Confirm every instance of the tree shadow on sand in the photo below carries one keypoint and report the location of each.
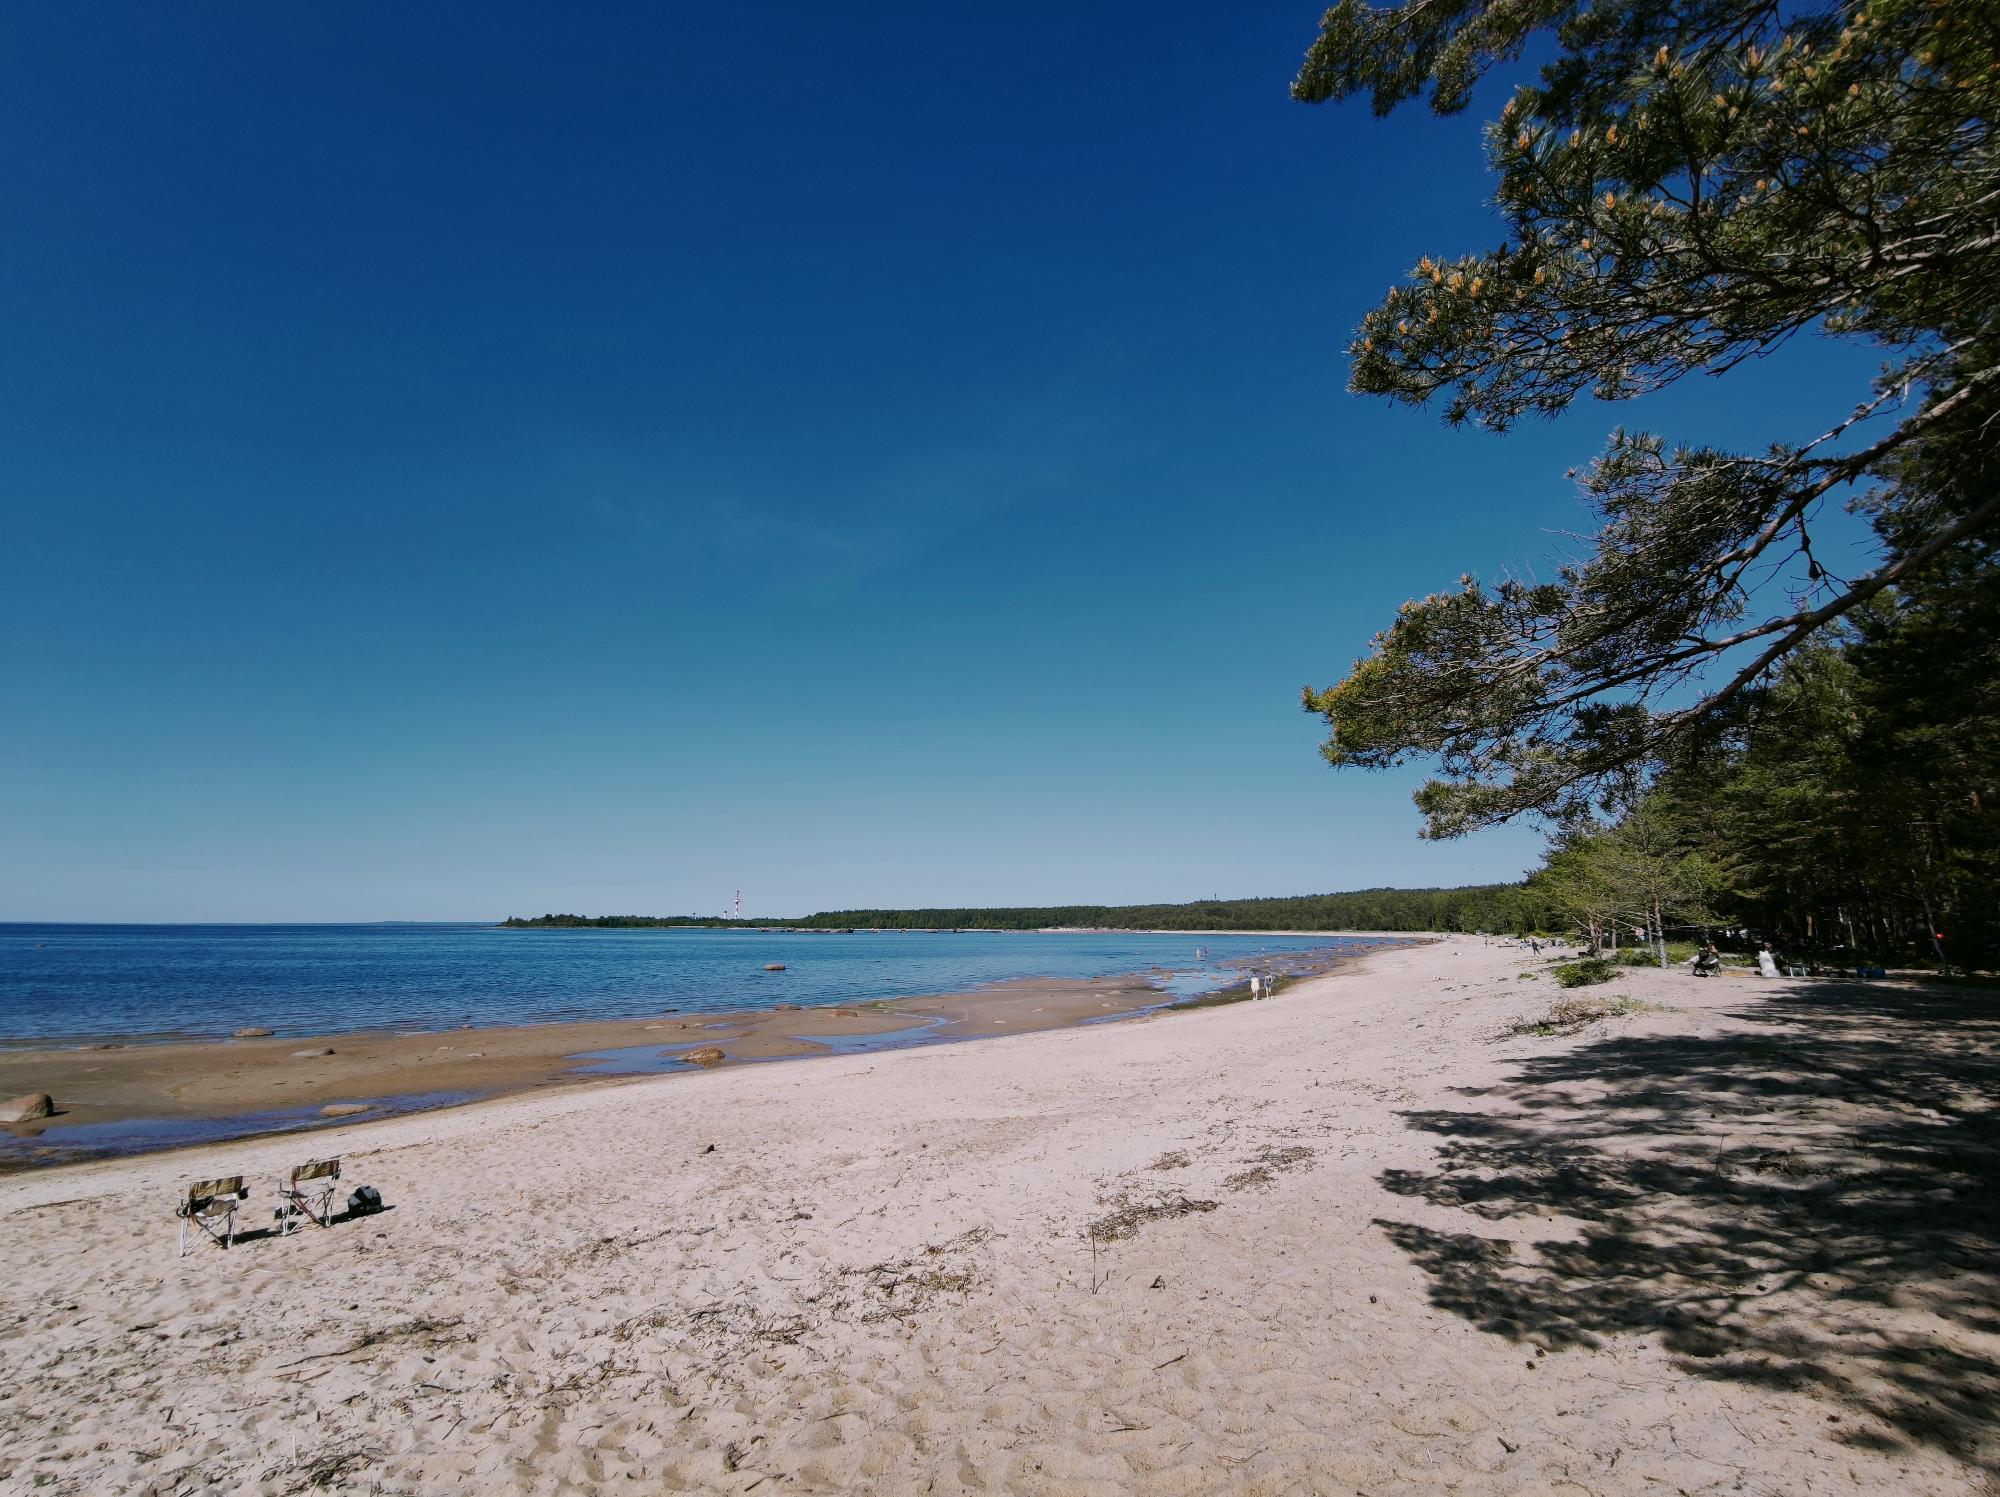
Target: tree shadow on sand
(1810, 1204)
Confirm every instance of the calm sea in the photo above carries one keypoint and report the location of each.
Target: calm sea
(78, 982)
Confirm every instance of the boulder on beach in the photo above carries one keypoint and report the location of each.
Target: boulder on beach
(27, 1109)
(310, 1054)
(786, 1008)
(707, 1055)
(847, 1013)
(253, 1034)
(344, 1109)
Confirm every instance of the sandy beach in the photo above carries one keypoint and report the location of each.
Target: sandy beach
(1361, 1238)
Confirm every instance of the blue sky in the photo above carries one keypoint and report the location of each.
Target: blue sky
(469, 460)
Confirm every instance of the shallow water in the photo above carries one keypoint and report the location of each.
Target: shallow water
(63, 1144)
(633, 1060)
(75, 983)
(925, 1033)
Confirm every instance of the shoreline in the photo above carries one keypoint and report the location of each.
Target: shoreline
(1375, 1235)
(437, 984)
(997, 930)
(120, 1098)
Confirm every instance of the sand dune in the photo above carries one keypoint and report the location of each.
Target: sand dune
(1331, 1254)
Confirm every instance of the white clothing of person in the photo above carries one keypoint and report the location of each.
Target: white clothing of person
(1256, 986)
(1767, 964)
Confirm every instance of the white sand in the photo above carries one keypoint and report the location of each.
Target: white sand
(881, 1280)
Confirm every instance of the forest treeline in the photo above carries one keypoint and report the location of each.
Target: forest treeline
(1477, 907)
(1841, 807)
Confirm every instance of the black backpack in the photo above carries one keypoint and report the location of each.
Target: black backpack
(364, 1202)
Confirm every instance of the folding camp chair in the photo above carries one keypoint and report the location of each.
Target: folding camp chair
(308, 1192)
(210, 1206)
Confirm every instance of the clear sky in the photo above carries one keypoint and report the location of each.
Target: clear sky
(470, 460)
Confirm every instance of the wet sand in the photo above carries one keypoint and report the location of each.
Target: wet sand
(279, 1083)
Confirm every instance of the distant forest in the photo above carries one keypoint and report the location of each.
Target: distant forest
(1477, 907)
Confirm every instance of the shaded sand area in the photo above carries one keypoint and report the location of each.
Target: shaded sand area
(1361, 1238)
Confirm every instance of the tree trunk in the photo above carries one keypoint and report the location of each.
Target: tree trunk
(1931, 930)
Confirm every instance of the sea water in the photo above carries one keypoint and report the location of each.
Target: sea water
(76, 983)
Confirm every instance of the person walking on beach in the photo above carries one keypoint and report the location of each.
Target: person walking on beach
(1256, 987)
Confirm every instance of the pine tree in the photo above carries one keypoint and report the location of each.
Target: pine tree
(1686, 186)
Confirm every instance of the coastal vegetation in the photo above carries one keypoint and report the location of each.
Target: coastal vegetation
(1840, 807)
(1588, 972)
(1475, 907)
(1718, 727)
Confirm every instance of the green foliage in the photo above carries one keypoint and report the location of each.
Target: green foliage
(1476, 907)
(1841, 809)
(1867, 769)
(1583, 974)
(1685, 186)
(1641, 956)
(1643, 872)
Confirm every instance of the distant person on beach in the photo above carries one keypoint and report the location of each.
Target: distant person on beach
(1256, 987)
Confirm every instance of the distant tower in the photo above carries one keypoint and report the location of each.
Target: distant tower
(739, 904)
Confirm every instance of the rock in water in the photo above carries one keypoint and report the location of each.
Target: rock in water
(774, 966)
(253, 1034)
(786, 1008)
(707, 1055)
(27, 1109)
(344, 1109)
